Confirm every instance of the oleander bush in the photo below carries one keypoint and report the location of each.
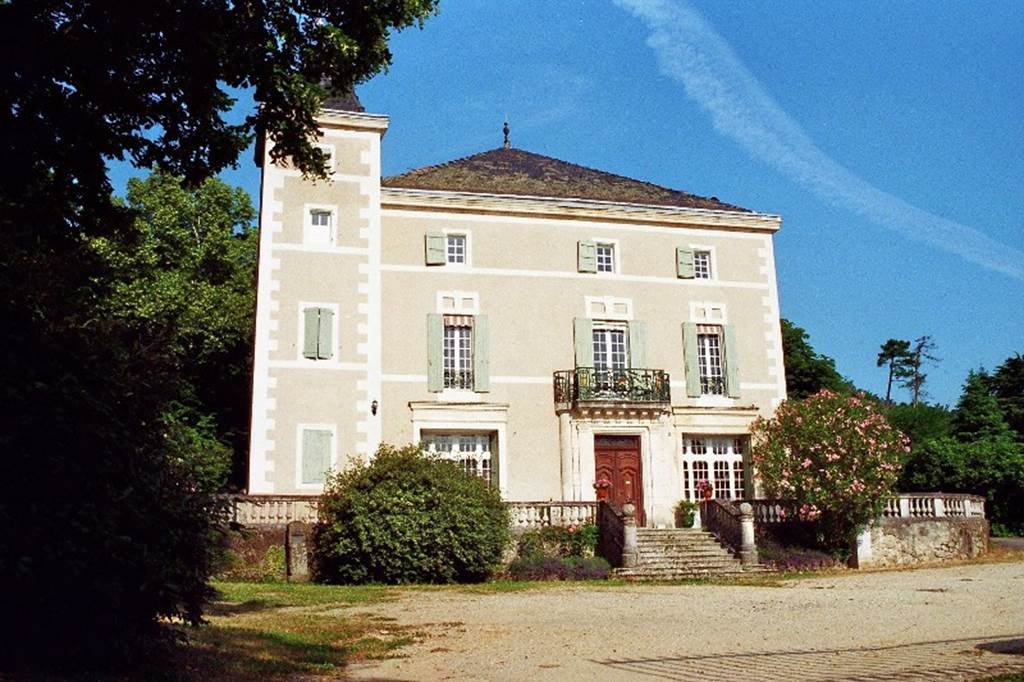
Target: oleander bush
(835, 455)
(408, 517)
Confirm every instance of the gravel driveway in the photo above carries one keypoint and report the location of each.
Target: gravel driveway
(961, 622)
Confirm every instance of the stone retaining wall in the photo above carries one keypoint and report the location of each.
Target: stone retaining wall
(909, 541)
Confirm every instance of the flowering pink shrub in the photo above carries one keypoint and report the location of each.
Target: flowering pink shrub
(836, 456)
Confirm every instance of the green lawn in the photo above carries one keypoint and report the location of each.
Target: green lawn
(275, 630)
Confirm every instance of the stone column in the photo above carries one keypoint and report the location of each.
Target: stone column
(565, 450)
(748, 551)
(862, 555)
(297, 551)
(630, 553)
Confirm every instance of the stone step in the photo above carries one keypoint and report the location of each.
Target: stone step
(641, 575)
(682, 556)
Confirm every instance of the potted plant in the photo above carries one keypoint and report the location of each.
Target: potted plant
(684, 512)
(705, 490)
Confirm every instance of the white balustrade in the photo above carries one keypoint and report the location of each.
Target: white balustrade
(541, 514)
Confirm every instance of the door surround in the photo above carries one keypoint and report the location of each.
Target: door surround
(618, 458)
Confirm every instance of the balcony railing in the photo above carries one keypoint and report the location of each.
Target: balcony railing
(588, 384)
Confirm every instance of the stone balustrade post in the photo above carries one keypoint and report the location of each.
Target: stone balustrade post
(630, 553)
(904, 507)
(748, 550)
(940, 507)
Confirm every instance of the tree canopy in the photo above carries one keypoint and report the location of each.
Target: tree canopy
(807, 372)
(113, 329)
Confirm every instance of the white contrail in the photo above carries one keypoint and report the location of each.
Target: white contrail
(691, 51)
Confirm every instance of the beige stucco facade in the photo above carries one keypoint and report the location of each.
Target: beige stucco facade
(521, 272)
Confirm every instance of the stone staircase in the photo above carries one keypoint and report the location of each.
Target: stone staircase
(682, 553)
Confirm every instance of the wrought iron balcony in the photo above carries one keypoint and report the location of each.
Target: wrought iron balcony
(588, 384)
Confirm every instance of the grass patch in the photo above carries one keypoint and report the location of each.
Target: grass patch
(302, 594)
(280, 630)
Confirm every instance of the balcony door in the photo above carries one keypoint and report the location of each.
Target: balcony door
(610, 349)
(617, 462)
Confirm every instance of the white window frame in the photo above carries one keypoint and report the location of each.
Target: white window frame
(427, 440)
(307, 224)
(712, 261)
(465, 418)
(616, 255)
(705, 365)
(458, 305)
(300, 336)
(603, 308)
(605, 328)
(736, 466)
(468, 237)
(708, 312)
(463, 361)
(299, 429)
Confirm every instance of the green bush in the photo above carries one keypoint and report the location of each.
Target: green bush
(408, 517)
(558, 541)
(684, 512)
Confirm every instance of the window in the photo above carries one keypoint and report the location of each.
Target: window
(315, 459)
(471, 451)
(320, 230)
(719, 456)
(700, 473)
(610, 350)
(702, 264)
(709, 360)
(457, 352)
(606, 257)
(455, 249)
(317, 333)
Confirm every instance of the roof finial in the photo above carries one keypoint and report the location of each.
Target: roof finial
(505, 130)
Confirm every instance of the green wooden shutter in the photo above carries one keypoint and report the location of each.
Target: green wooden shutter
(481, 355)
(586, 257)
(637, 344)
(325, 337)
(435, 361)
(310, 332)
(690, 359)
(434, 248)
(732, 370)
(316, 455)
(684, 263)
(583, 329)
(495, 464)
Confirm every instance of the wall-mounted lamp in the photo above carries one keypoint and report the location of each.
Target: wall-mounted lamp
(373, 407)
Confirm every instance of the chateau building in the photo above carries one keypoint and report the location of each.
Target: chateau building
(559, 331)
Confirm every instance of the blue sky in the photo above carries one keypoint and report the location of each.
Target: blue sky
(889, 136)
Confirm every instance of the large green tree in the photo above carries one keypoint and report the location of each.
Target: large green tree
(183, 277)
(980, 456)
(807, 372)
(1006, 383)
(104, 521)
(895, 355)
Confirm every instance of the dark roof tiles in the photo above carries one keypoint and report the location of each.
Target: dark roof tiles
(517, 172)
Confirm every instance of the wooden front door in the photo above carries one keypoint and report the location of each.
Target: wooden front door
(617, 460)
